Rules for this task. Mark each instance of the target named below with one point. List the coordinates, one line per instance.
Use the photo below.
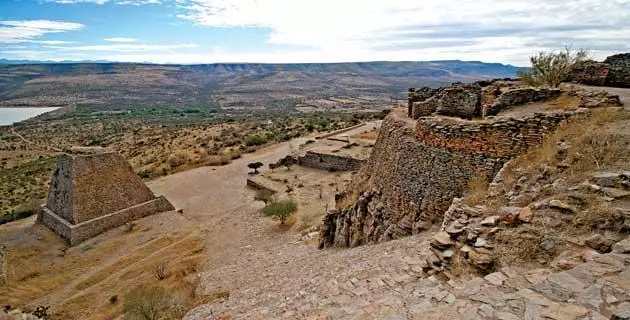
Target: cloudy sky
(206, 31)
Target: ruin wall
(330, 162)
(417, 168)
(77, 233)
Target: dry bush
(177, 159)
(152, 303)
(599, 215)
(591, 146)
(217, 160)
(160, 271)
(522, 244)
(477, 190)
(550, 69)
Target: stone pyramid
(90, 194)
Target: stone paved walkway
(386, 281)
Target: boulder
(442, 241)
(547, 243)
(526, 214)
(490, 221)
(599, 243)
(557, 204)
(480, 259)
(622, 246)
(606, 179)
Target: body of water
(10, 116)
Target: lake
(10, 116)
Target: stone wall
(619, 73)
(330, 162)
(86, 190)
(77, 233)
(590, 73)
(459, 100)
(418, 168)
(518, 96)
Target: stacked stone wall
(417, 169)
(619, 73)
(590, 73)
(77, 233)
(331, 162)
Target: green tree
(280, 210)
(255, 166)
(550, 69)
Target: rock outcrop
(90, 194)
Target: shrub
(552, 68)
(160, 271)
(146, 303)
(23, 211)
(281, 210)
(151, 303)
(217, 160)
(255, 140)
(264, 195)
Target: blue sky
(207, 31)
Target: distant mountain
(8, 61)
(235, 87)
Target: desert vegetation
(154, 147)
(550, 69)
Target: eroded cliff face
(418, 167)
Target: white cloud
(120, 39)
(481, 26)
(121, 2)
(29, 30)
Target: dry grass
(598, 142)
(477, 190)
(564, 102)
(522, 244)
(89, 281)
(368, 135)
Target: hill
(234, 88)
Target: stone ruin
(468, 101)
(419, 166)
(613, 72)
(90, 194)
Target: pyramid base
(77, 233)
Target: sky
(300, 31)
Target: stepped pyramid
(90, 194)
